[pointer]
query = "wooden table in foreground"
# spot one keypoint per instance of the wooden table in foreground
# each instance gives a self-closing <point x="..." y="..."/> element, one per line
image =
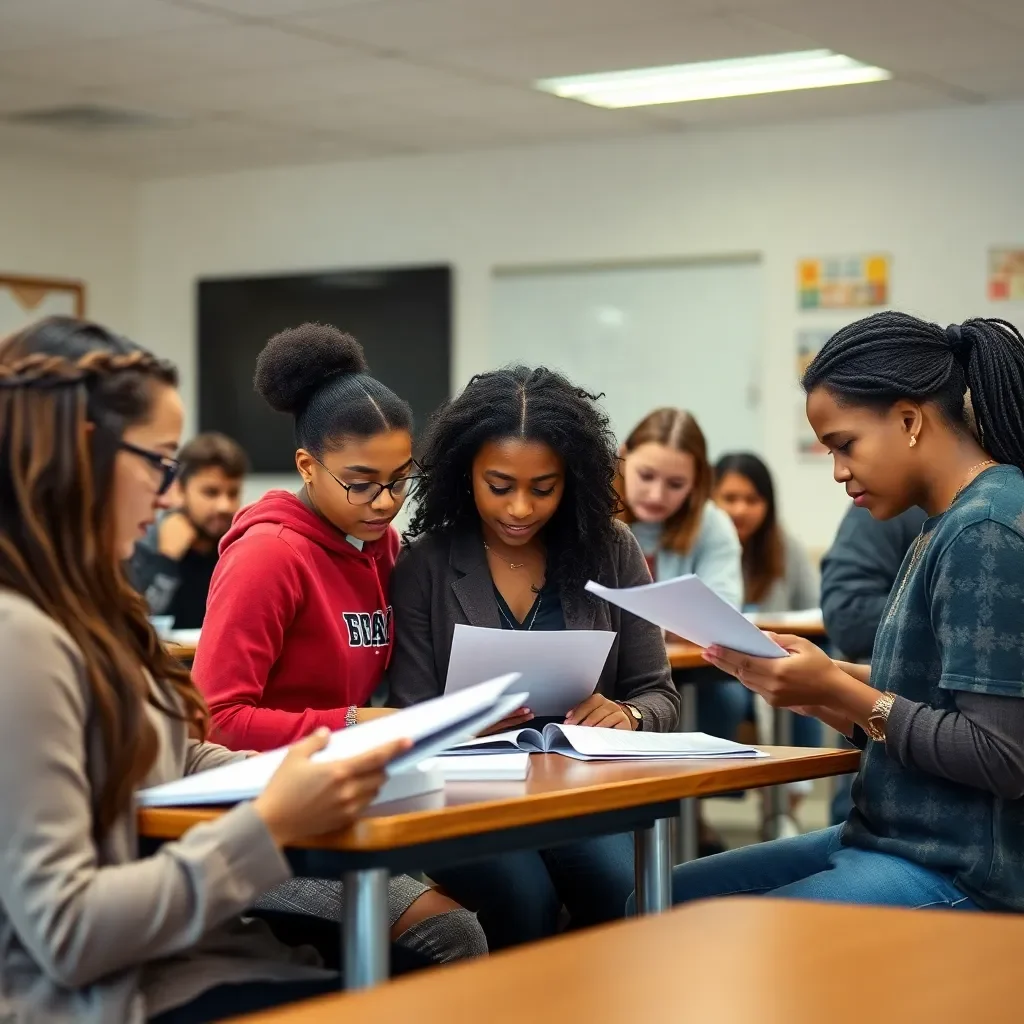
<point x="730" y="961"/>
<point x="562" y="800"/>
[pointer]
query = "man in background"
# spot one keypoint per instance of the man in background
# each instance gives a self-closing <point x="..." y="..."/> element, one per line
<point x="857" y="575"/>
<point x="173" y="563"/>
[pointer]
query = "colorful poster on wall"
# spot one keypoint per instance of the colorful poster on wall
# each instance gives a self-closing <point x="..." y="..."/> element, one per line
<point x="843" y="282"/>
<point x="808" y="344"/>
<point x="1006" y="275"/>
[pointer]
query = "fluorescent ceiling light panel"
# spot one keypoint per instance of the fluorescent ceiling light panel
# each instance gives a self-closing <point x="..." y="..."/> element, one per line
<point x="715" y="79"/>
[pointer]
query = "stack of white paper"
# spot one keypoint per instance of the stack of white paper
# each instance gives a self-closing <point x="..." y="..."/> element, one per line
<point x="496" y="766"/>
<point x="432" y="726"/>
<point x="809" y="617"/>
<point x="559" y="668"/>
<point x="687" y="607"/>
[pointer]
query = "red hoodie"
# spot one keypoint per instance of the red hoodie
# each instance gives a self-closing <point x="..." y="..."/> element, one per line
<point x="297" y="625"/>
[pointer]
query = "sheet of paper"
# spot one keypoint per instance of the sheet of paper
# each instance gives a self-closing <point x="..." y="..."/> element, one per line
<point x="432" y="726"/>
<point x="493" y="767"/>
<point x="687" y="607"/>
<point x="559" y="668"/>
<point x="617" y="744"/>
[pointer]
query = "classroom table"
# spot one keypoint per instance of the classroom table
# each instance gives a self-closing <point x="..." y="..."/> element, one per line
<point x="684" y="656"/>
<point x="561" y="800"/>
<point x="183" y="652"/>
<point x="743" y="960"/>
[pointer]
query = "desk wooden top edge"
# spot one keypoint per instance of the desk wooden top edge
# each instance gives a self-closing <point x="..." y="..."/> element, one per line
<point x="708" y="936"/>
<point x="414" y="827"/>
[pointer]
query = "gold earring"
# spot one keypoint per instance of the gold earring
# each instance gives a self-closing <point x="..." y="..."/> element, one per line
<point x="913" y="440"/>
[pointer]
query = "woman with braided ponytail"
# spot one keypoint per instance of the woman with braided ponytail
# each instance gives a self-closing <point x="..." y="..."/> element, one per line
<point x="92" y="708"/>
<point x="915" y="414"/>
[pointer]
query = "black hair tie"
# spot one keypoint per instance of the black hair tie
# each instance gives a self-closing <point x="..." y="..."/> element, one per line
<point x="959" y="344"/>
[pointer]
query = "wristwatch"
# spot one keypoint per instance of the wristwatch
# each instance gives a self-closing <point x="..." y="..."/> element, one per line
<point x="880" y="716"/>
<point x="634" y="712"/>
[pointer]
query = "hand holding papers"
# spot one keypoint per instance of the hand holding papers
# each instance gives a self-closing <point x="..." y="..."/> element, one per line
<point x="559" y="669"/>
<point x="431" y="726"/>
<point x="687" y="607"/>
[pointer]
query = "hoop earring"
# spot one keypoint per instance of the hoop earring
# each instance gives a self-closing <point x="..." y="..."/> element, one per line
<point x="913" y="440"/>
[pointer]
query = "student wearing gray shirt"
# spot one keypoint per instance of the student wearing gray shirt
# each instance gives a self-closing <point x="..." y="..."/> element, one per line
<point x="938" y="816"/>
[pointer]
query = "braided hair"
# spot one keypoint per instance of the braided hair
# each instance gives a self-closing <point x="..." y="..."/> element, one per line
<point x="59" y="378"/>
<point x="538" y="405"/>
<point x="973" y="372"/>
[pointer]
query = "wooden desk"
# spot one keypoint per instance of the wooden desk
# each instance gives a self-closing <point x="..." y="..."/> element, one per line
<point x="183" y="652"/>
<point x="562" y="800"/>
<point x="730" y="961"/>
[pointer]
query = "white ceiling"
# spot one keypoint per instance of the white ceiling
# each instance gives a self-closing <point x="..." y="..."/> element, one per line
<point x="260" y="82"/>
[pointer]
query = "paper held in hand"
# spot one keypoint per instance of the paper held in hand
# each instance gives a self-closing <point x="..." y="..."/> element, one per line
<point x="687" y="607"/>
<point x="432" y="726"/>
<point x="559" y="668"/>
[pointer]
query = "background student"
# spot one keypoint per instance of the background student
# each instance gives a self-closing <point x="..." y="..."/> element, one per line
<point x="777" y="577"/>
<point x="173" y="563"/>
<point x="664" y="487"/>
<point x="514" y="517"/>
<point x="92" y="708"/>
<point x="939" y="800"/>
<point x="857" y="576"/>
<point x="299" y="630"/>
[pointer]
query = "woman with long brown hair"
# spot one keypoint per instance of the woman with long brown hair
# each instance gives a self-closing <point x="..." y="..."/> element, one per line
<point x="92" y="708"/>
<point x="664" y="487"/>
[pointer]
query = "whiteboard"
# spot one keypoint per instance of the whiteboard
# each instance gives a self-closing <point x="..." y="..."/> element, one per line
<point x="686" y="335"/>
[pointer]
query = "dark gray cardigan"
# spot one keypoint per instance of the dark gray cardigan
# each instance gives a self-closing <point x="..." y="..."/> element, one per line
<point x="438" y="582"/>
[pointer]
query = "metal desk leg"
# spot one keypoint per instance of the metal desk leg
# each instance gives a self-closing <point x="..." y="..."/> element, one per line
<point x="365" y="930"/>
<point x="685" y="828"/>
<point x="778" y="798"/>
<point x="653" y="868"/>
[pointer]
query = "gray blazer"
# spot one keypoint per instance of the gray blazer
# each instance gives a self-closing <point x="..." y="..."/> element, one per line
<point x="438" y="582"/>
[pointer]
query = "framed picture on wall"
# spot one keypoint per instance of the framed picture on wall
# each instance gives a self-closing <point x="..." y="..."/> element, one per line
<point x="23" y="300"/>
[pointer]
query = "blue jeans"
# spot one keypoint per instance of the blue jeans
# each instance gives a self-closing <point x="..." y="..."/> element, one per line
<point x="519" y="896"/>
<point x="816" y="867"/>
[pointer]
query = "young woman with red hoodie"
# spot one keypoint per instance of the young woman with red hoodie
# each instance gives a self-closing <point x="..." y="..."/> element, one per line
<point x="298" y="629"/>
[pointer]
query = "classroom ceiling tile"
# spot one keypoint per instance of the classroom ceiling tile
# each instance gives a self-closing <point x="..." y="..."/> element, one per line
<point x="266" y="8"/>
<point x="418" y="26"/>
<point x="167" y="56"/>
<point x="256" y="82"/>
<point x="35" y="22"/>
<point x="351" y="75"/>
<point x="674" y="41"/>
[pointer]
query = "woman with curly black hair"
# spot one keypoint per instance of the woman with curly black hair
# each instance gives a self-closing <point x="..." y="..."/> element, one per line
<point x="515" y="515"/>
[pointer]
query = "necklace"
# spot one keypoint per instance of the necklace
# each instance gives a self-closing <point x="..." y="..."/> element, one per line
<point x="511" y="565"/>
<point x="533" y="617"/>
<point x="970" y="476"/>
<point x="922" y="540"/>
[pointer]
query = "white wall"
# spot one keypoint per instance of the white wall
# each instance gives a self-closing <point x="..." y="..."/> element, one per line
<point x="56" y="222"/>
<point x="933" y="189"/>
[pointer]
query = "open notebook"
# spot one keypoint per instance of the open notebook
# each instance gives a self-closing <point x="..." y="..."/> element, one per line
<point x="586" y="744"/>
<point x="433" y="726"/>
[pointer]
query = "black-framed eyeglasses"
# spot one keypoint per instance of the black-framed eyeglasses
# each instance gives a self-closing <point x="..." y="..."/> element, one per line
<point x="168" y="466"/>
<point x="367" y="492"/>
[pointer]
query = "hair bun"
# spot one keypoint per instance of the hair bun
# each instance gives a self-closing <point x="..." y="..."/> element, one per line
<point x="296" y="362"/>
